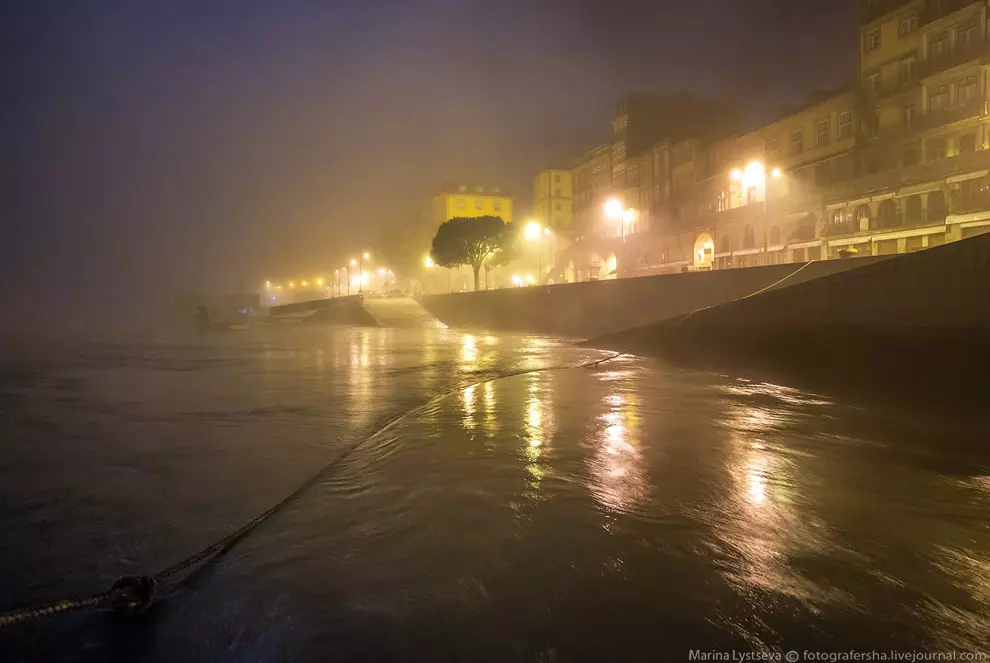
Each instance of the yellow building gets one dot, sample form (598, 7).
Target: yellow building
(553, 198)
(461, 200)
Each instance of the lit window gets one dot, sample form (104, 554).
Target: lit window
(460, 203)
(845, 124)
(873, 39)
(821, 133)
(462, 188)
(909, 23)
(479, 203)
(497, 204)
(797, 142)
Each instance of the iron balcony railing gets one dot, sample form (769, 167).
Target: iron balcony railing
(933, 64)
(936, 9)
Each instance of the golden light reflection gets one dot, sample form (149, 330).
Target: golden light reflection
(491, 419)
(757, 521)
(538, 429)
(469, 352)
(618, 468)
(468, 401)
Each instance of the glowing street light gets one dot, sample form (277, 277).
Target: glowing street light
(533, 230)
(776, 172)
(428, 263)
(613, 209)
(353, 262)
(517, 280)
(365, 255)
(319, 281)
(755, 176)
(292, 284)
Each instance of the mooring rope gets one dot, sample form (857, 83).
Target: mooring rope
(136, 594)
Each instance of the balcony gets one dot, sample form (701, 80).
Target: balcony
(877, 8)
(887, 89)
(938, 118)
(908, 175)
(936, 9)
(953, 58)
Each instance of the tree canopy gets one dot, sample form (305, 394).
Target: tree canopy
(468, 241)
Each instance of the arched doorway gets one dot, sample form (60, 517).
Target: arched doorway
(704, 250)
(611, 266)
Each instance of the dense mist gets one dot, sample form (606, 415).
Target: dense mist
(152, 148)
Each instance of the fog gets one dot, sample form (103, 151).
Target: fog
(154, 148)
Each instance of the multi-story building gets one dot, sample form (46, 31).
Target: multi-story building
(553, 198)
(897, 162)
(462, 200)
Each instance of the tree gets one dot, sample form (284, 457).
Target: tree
(467, 241)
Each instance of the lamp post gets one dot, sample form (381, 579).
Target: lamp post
(364, 256)
(615, 211)
(349, 273)
(755, 175)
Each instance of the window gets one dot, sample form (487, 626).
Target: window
(495, 189)
(773, 148)
(939, 99)
(749, 237)
(967, 90)
(907, 70)
(479, 204)
(774, 235)
(556, 193)
(478, 189)
(967, 34)
(873, 82)
(497, 205)
(556, 178)
(936, 148)
(967, 143)
(909, 23)
(460, 204)
(821, 133)
(939, 45)
(462, 188)
(556, 207)
(873, 39)
(907, 116)
(845, 124)
(797, 142)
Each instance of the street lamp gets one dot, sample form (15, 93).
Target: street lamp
(364, 256)
(755, 175)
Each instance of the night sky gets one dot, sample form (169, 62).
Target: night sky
(157, 147)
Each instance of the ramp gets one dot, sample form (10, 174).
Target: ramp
(400, 312)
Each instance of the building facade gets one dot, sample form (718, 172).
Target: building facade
(553, 199)
(462, 200)
(895, 163)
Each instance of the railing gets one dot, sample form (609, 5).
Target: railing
(936, 9)
(958, 55)
(937, 118)
(878, 8)
(890, 88)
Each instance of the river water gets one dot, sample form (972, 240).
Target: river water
(624, 511)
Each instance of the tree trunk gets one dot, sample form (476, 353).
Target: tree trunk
(477, 272)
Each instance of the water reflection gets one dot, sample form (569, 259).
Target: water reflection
(490, 424)
(359, 377)
(759, 520)
(618, 471)
(467, 401)
(538, 429)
